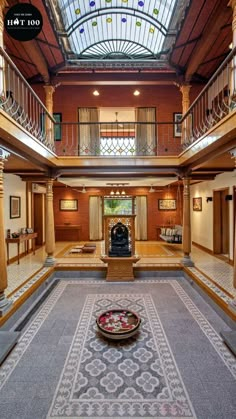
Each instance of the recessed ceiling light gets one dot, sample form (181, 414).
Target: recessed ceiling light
(136, 93)
(96, 93)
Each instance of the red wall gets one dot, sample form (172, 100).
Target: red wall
(81, 217)
(167, 99)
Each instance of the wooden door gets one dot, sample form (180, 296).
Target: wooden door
(221, 222)
(38, 203)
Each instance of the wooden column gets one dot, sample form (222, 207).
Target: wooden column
(233, 303)
(4, 302)
(232, 4)
(50, 230)
(49, 127)
(186, 126)
(186, 224)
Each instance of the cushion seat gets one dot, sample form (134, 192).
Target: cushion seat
(172, 235)
(88, 248)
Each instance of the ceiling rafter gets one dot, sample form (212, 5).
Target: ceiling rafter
(207, 40)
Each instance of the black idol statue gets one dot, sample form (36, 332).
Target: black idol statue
(119, 241)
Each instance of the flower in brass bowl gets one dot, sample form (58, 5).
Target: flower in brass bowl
(118, 323)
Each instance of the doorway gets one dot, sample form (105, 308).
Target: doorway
(221, 222)
(38, 214)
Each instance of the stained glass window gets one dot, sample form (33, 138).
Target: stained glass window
(114, 29)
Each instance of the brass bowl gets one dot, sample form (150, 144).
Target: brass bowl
(118, 323)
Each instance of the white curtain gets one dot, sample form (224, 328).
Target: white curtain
(95, 218)
(141, 218)
(89, 137)
(146, 133)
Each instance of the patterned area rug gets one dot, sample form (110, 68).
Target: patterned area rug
(175, 366)
(134, 378)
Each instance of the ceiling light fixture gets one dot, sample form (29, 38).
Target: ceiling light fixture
(96, 93)
(118, 192)
(136, 93)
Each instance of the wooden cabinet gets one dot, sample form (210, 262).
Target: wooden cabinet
(67, 232)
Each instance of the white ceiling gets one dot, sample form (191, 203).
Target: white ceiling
(130, 182)
(114, 114)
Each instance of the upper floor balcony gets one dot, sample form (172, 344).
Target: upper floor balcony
(143, 137)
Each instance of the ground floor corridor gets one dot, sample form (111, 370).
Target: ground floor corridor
(214, 273)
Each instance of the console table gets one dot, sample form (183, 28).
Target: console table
(68, 232)
(18, 240)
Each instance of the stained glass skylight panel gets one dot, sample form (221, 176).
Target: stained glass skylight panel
(108, 29)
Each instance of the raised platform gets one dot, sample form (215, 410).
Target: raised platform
(120, 268)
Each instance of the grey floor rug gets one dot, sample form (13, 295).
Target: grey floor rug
(176, 367)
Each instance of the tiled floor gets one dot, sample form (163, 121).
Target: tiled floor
(176, 367)
(152, 254)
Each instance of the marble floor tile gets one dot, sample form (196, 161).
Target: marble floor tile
(211, 270)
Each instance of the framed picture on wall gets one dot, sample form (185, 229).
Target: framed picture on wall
(177, 125)
(197, 204)
(68, 204)
(15, 206)
(57, 126)
(167, 204)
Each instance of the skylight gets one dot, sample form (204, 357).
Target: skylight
(114, 29)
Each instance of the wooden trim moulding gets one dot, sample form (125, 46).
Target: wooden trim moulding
(205, 249)
(211, 294)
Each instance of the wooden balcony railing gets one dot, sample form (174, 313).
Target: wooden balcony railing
(117, 139)
(216, 101)
(20, 102)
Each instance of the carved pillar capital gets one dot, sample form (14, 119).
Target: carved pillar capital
(186, 124)
(185, 89)
(232, 4)
(4, 154)
(233, 151)
(49, 90)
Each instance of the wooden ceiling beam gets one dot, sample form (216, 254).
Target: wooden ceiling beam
(199, 176)
(211, 32)
(199, 163)
(34, 52)
(71, 78)
(119, 172)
